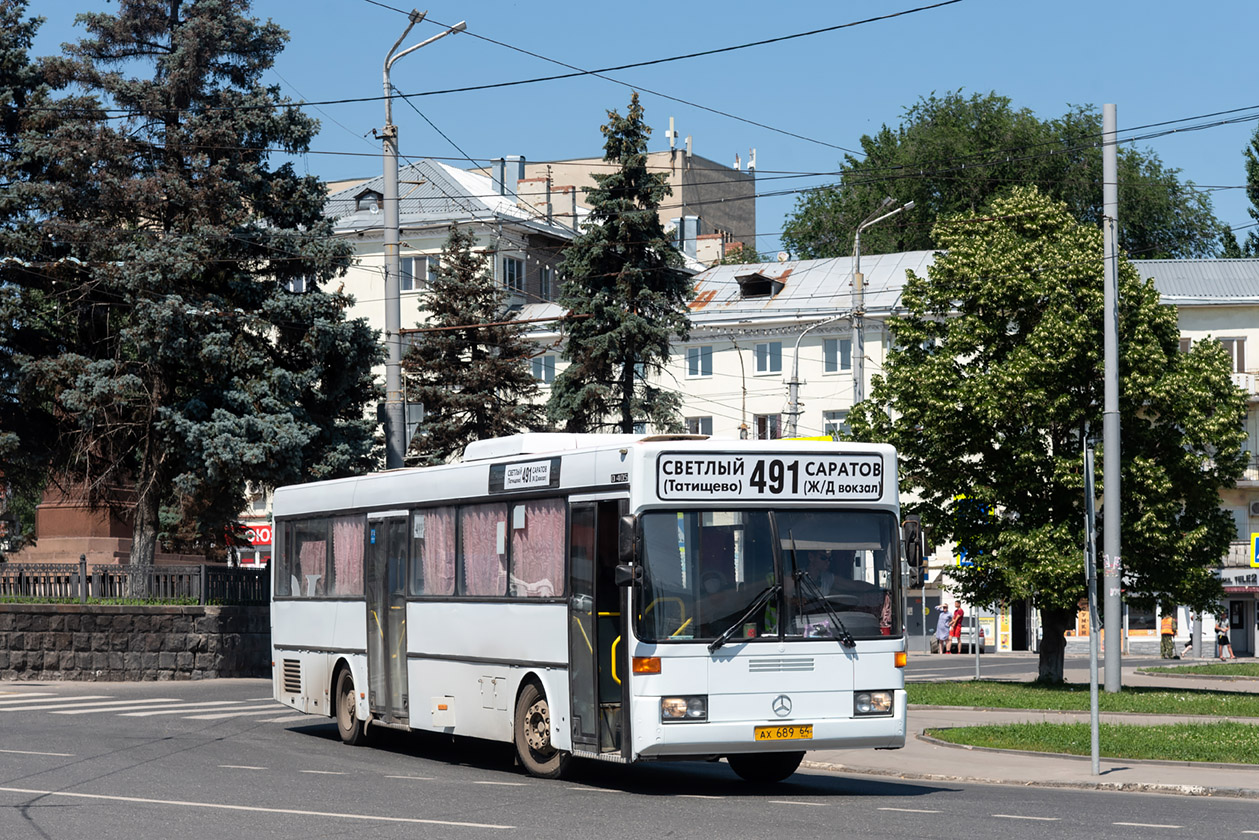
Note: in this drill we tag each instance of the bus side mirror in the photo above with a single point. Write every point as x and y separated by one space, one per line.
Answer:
911 538
627 575
625 539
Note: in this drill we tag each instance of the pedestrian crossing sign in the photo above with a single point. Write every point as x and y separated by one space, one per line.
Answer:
1254 551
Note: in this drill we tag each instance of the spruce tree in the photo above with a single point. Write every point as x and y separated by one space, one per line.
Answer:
624 294
182 364
469 365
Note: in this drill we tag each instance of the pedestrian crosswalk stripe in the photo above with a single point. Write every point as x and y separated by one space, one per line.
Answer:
21 705
113 705
220 715
183 707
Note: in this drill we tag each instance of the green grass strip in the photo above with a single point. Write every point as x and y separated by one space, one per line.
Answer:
1217 669
1231 743
1075 697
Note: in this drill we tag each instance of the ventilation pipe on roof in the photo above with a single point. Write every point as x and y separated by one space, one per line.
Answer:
498 166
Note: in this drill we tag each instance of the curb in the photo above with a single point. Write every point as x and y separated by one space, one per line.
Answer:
1125 787
1215 765
1218 677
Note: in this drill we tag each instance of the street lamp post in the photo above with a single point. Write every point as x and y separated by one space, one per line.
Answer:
793 385
859 298
395 421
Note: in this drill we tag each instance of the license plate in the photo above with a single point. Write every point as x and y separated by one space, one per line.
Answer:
794 732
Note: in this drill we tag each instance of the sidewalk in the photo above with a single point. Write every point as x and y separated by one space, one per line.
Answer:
933 760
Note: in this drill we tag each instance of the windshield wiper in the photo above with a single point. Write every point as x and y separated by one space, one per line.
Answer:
845 638
760 601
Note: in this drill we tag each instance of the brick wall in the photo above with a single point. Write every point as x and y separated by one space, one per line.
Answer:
133 643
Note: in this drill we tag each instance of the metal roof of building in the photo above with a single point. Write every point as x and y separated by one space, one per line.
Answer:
432 193
1203 282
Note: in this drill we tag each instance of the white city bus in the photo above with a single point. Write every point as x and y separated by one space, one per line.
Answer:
615 597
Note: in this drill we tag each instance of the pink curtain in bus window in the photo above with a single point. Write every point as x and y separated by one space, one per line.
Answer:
312 557
537 550
439 551
484 566
347 555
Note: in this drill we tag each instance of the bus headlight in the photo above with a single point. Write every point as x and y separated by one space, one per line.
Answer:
872 703
692 708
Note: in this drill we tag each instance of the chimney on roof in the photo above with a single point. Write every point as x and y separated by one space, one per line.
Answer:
505 171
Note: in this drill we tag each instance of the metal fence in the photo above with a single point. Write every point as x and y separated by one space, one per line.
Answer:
205 584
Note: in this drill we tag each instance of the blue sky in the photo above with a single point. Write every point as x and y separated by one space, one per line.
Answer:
1157 61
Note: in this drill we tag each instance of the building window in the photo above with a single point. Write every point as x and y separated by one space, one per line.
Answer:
769 357
369 201
546 280
1185 344
544 369
406 274
514 274
433 266
835 423
699 425
699 361
640 428
768 426
1236 349
837 354
299 285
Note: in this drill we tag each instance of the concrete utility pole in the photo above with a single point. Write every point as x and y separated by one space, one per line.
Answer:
1112 580
395 420
793 385
859 298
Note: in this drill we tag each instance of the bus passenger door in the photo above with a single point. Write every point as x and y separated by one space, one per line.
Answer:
387 615
595 632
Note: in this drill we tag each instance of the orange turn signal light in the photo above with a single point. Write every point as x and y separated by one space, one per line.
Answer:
901 658
646 664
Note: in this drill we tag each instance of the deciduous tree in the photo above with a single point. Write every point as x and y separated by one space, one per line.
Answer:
953 154
996 380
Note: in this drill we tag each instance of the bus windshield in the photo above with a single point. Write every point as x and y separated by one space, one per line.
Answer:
832 571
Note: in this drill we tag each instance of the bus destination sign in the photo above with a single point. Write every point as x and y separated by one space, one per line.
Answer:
856 477
528 475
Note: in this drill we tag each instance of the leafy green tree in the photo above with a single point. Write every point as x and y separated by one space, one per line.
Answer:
952 154
1251 155
996 377
624 294
1229 249
470 364
744 254
180 363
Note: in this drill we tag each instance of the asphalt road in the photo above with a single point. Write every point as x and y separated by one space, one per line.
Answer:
218 759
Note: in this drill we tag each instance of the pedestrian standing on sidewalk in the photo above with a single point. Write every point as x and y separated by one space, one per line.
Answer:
1222 642
942 628
955 627
1167 636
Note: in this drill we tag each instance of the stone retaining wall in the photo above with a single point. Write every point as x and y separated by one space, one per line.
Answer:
133 643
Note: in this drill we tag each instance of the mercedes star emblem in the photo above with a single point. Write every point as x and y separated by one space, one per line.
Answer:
781 705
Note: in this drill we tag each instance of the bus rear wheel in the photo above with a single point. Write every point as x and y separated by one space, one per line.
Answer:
765 767
353 731
533 735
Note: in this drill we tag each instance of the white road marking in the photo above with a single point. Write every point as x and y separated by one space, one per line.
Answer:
221 715
1158 825
182 707
251 809
323 772
23 696
911 810
790 802
240 767
286 719
112 706
32 752
57 703
1021 817
415 778
697 796
504 784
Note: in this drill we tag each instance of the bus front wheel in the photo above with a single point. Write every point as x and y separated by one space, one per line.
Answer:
353 731
765 767
533 735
